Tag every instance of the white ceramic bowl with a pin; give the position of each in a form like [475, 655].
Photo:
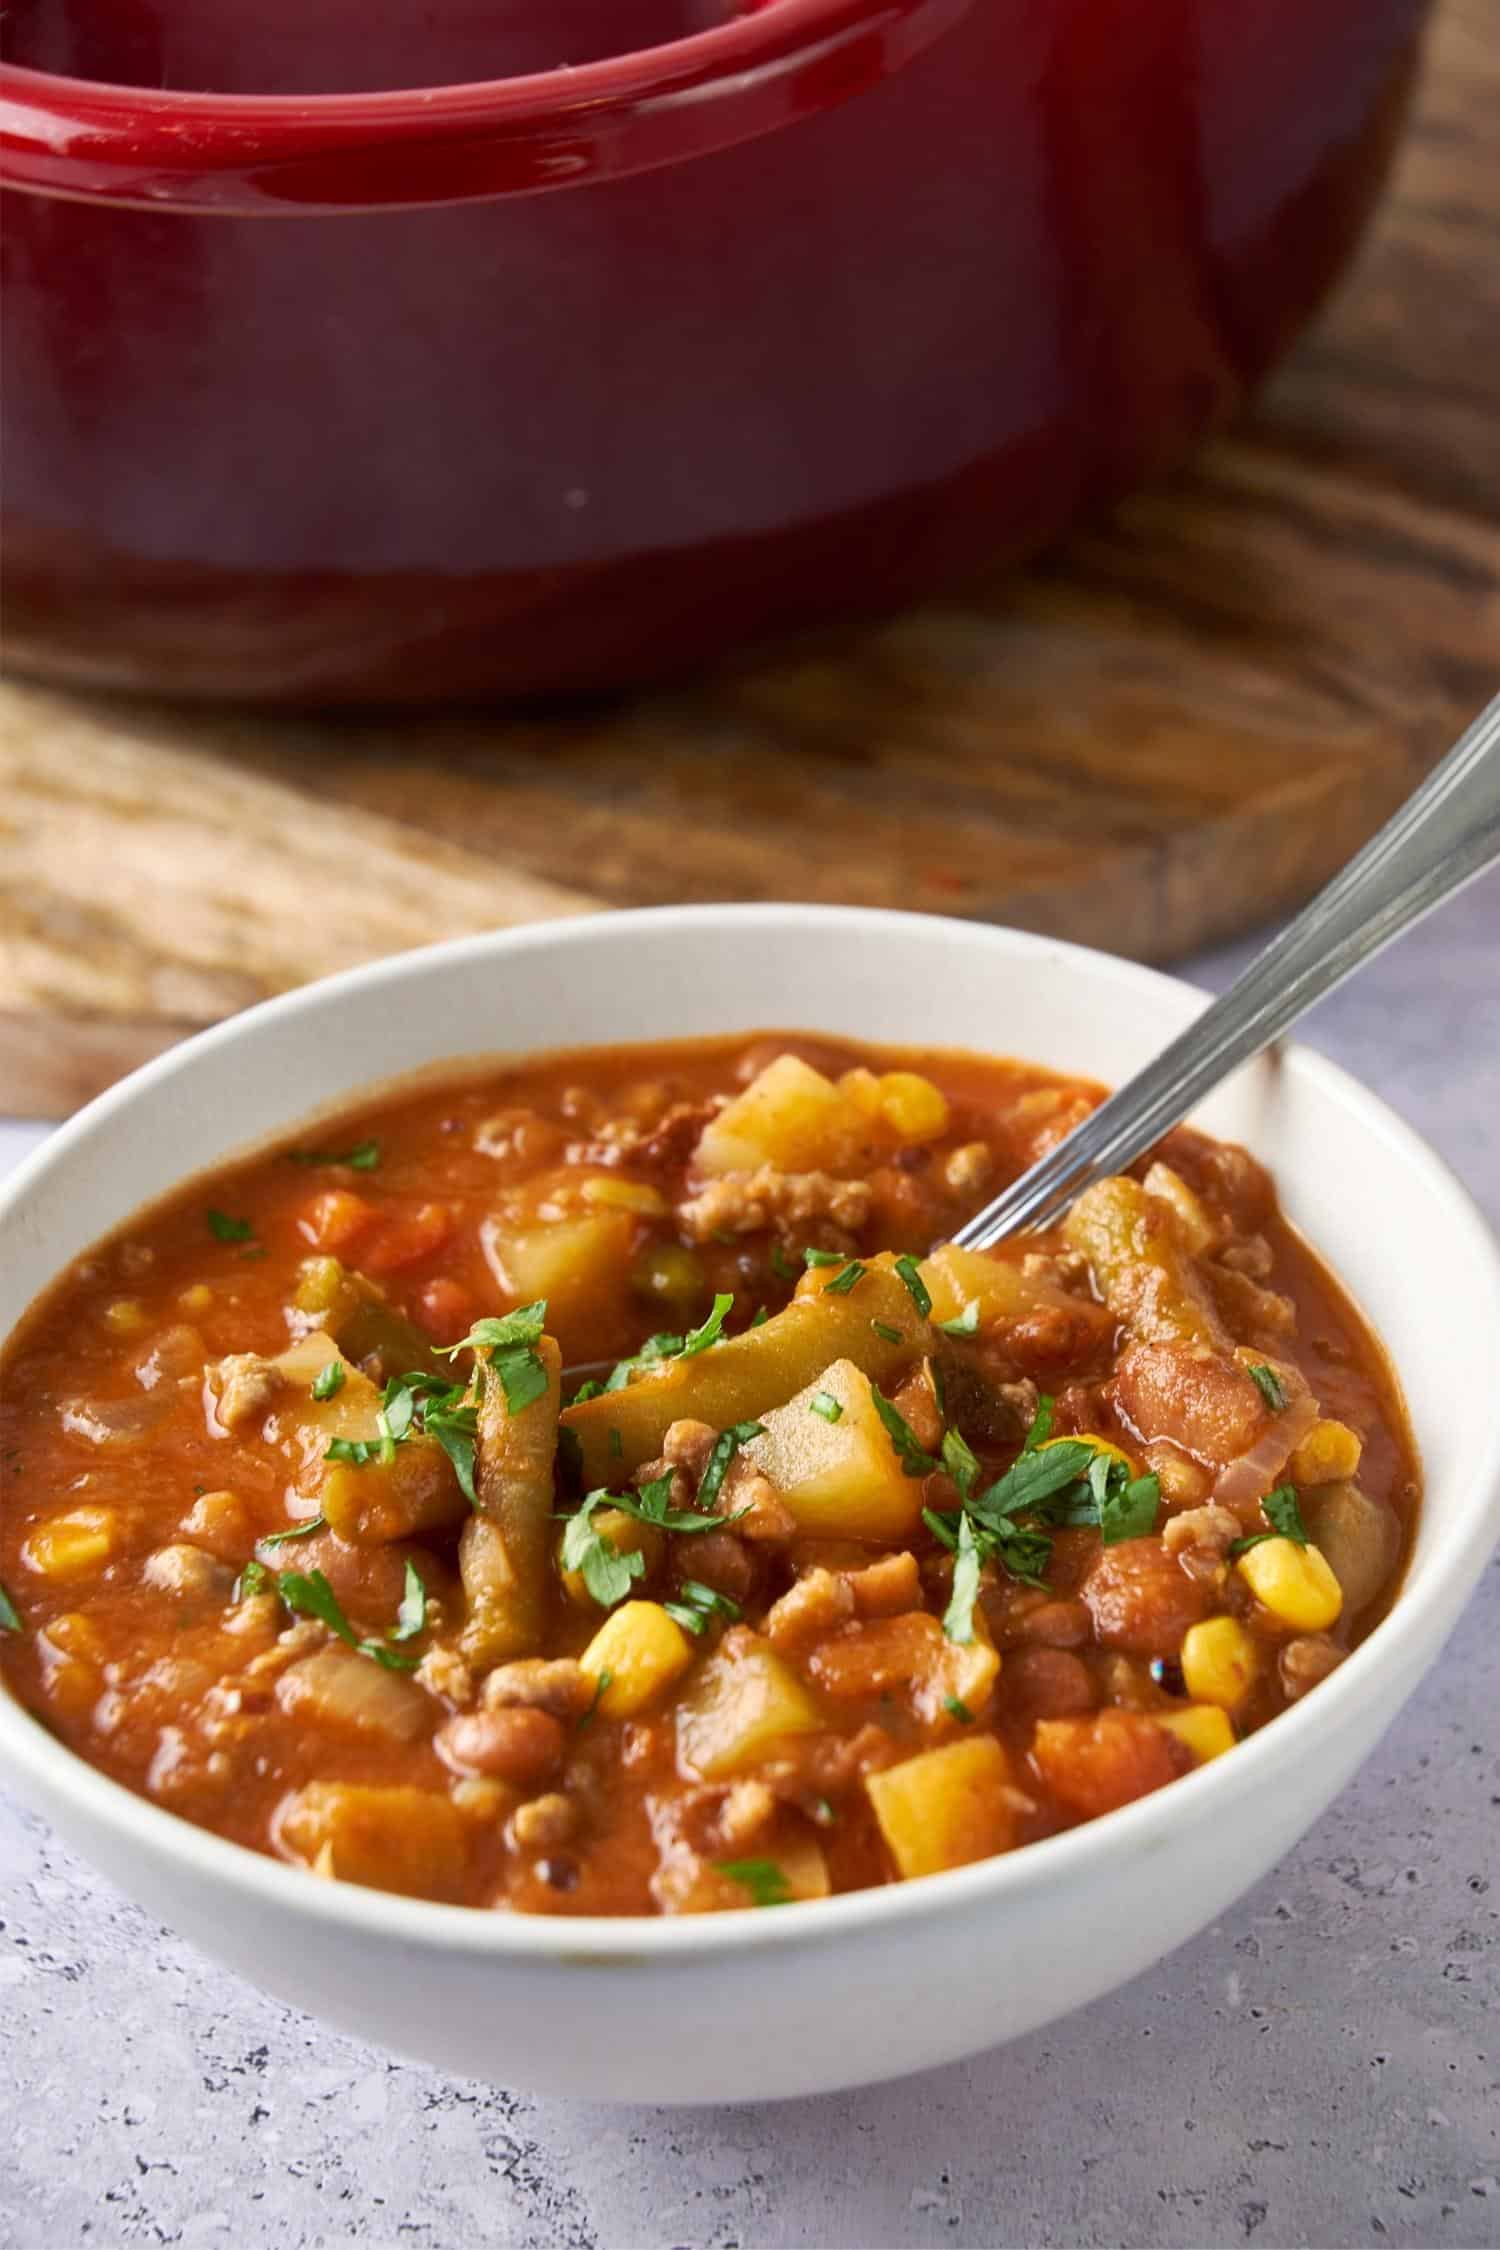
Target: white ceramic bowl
[752, 2005]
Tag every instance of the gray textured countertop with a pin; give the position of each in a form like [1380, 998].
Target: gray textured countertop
[1317, 2068]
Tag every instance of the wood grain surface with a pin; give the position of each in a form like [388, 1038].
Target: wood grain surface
[1172, 728]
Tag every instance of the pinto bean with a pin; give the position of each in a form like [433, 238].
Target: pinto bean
[1047, 1683]
[515, 1743]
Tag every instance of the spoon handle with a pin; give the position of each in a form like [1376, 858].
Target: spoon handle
[1447, 832]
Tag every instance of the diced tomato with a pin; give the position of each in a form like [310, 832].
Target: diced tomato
[407, 1238]
[446, 1309]
[336, 1218]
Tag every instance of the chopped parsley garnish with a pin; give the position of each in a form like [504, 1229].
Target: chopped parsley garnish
[822, 1257]
[418, 1404]
[1270, 1386]
[1041, 1424]
[412, 1614]
[884, 1328]
[762, 1878]
[960, 1462]
[842, 1283]
[10, 1619]
[958, 1618]
[600, 1685]
[699, 1604]
[225, 1229]
[585, 1391]
[965, 1323]
[699, 1339]
[310, 1595]
[921, 1296]
[510, 1339]
[761, 1317]
[1068, 1483]
[1284, 1514]
[608, 1572]
[253, 1579]
[824, 1403]
[726, 1446]
[915, 1460]
[956, 1708]
[303, 1530]
[355, 1452]
[329, 1379]
[363, 1157]
[781, 1264]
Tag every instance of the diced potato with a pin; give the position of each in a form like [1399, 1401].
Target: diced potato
[1205, 1728]
[643, 1650]
[1358, 1536]
[1329, 1454]
[369, 1502]
[840, 1479]
[628, 1536]
[71, 1545]
[505, 1551]
[1219, 1662]
[72, 1653]
[1197, 1227]
[1007, 1297]
[1294, 1583]
[738, 1709]
[578, 1265]
[1140, 1266]
[790, 1116]
[393, 1839]
[337, 1687]
[742, 1379]
[945, 1807]
[606, 1191]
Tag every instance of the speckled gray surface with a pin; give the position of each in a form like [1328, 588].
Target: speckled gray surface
[1322, 2067]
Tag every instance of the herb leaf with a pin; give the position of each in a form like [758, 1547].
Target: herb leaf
[822, 1257]
[1270, 1386]
[1127, 1507]
[363, 1157]
[842, 1283]
[303, 1530]
[915, 1460]
[956, 1708]
[726, 1445]
[921, 1296]
[699, 1604]
[781, 1264]
[511, 1339]
[960, 1462]
[965, 1323]
[762, 1878]
[310, 1595]
[412, 1615]
[1041, 1424]
[699, 1339]
[225, 1229]
[329, 1380]
[824, 1403]
[253, 1579]
[10, 1617]
[958, 1618]
[607, 1572]
[1280, 1508]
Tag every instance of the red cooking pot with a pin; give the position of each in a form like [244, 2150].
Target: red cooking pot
[621, 335]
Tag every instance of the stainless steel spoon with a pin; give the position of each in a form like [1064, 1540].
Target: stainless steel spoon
[1445, 834]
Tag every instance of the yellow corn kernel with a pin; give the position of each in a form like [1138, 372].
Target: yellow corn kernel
[627, 1537]
[1219, 1662]
[912, 1106]
[861, 1090]
[1329, 1454]
[71, 1545]
[127, 1316]
[611, 1194]
[643, 1652]
[1098, 1444]
[1294, 1583]
[1205, 1729]
[196, 1298]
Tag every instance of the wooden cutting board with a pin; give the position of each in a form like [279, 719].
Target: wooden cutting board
[1171, 729]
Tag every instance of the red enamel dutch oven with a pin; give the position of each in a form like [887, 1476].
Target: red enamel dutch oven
[619, 336]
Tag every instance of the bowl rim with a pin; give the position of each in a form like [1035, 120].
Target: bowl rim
[150, 1831]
